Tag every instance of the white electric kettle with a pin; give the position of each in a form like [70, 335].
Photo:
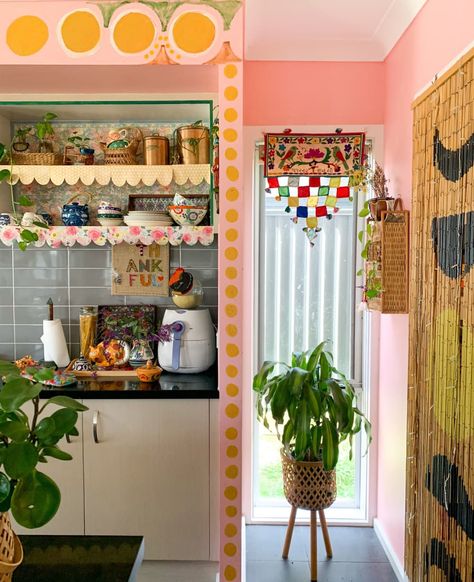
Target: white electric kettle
[192, 348]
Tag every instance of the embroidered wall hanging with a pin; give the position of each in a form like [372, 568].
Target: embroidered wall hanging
[309, 198]
[140, 270]
[313, 154]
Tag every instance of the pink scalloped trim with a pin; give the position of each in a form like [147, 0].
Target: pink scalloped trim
[57, 236]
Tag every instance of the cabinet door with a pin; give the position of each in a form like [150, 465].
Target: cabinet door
[148, 474]
[68, 475]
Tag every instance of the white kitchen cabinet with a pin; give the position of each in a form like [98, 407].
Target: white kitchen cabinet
[149, 474]
[69, 520]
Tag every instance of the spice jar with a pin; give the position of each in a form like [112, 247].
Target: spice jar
[87, 328]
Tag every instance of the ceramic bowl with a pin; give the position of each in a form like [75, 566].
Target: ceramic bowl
[148, 373]
[187, 215]
[110, 221]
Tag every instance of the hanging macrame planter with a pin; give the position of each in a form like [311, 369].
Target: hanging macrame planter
[312, 173]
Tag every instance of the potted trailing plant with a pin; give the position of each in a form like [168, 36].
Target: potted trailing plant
[80, 142]
[31, 495]
[78, 150]
[27, 236]
[192, 142]
[314, 410]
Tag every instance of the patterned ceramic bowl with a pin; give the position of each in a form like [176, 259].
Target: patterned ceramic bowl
[187, 215]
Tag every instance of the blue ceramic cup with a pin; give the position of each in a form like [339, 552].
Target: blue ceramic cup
[5, 219]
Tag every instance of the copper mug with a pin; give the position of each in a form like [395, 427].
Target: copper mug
[156, 150]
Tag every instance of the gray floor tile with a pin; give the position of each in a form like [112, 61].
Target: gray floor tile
[265, 542]
[277, 571]
[157, 571]
[354, 572]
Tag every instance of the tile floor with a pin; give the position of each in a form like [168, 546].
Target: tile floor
[358, 557]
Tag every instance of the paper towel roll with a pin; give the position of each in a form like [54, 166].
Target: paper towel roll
[55, 348]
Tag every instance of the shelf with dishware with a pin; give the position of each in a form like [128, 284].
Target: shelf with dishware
[56, 236]
[119, 175]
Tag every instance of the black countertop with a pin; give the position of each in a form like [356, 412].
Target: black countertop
[175, 386]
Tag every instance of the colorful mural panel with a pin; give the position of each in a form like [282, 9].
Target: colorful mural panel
[123, 32]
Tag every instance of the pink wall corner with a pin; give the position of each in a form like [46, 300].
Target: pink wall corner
[312, 93]
[440, 32]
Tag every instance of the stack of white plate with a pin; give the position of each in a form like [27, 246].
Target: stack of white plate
[147, 218]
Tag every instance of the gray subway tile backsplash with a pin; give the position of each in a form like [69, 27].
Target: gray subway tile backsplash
[73, 277]
[39, 277]
[90, 259]
[36, 315]
[5, 259]
[6, 334]
[90, 277]
[6, 314]
[46, 258]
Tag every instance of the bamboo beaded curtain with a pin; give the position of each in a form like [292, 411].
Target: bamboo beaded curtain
[440, 468]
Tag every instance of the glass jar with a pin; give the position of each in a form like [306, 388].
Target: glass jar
[191, 299]
[87, 328]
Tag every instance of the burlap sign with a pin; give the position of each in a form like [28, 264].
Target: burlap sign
[140, 269]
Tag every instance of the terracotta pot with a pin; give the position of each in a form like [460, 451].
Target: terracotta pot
[379, 205]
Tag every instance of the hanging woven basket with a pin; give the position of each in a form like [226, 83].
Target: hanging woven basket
[307, 485]
[11, 550]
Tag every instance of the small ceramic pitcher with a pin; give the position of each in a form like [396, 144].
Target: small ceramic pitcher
[75, 214]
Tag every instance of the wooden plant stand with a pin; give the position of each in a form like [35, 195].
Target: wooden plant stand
[313, 538]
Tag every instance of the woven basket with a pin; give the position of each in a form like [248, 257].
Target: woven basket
[389, 255]
[308, 485]
[124, 156]
[11, 551]
[37, 159]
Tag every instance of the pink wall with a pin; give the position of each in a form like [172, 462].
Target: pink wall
[438, 34]
[312, 93]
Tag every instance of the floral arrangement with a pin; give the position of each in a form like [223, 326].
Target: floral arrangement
[126, 322]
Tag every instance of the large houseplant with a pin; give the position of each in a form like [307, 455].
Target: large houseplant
[25, 441]
[314, 409]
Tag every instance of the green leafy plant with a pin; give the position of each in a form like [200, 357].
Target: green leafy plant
[314, 404]
[44, 128]
[31, 495]
[78, 141]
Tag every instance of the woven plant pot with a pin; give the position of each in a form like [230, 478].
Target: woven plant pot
[11, 550]
[307, 484]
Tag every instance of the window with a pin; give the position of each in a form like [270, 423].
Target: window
[306, 295]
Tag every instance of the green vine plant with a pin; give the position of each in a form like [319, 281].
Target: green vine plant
[27, 236]
[78, 141]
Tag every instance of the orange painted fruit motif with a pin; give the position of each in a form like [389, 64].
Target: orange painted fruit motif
[149, 373]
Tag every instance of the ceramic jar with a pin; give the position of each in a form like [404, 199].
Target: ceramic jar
[82, 365]
[75, 214]
[149, 373]
[140, 353]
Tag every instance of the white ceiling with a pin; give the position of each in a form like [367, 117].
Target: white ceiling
[326, 30]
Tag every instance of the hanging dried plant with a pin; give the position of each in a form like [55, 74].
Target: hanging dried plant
[379, 182]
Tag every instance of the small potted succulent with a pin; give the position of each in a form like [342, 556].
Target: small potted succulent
[31, 496]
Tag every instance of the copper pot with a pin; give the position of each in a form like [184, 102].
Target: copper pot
[192, 143]
[157, 150]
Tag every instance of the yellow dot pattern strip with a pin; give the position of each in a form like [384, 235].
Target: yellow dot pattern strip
[27, 35]
[80, 32]
[231, 297]
[134, 33]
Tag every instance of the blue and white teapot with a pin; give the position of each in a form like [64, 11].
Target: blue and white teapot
[75, 214]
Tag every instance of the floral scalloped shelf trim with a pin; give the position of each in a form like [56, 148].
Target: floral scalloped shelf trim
[57, 236]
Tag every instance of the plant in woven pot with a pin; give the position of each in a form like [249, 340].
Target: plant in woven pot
[314, 410]
[25, 441]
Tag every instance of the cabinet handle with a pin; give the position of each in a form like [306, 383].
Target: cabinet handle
[95, 421]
